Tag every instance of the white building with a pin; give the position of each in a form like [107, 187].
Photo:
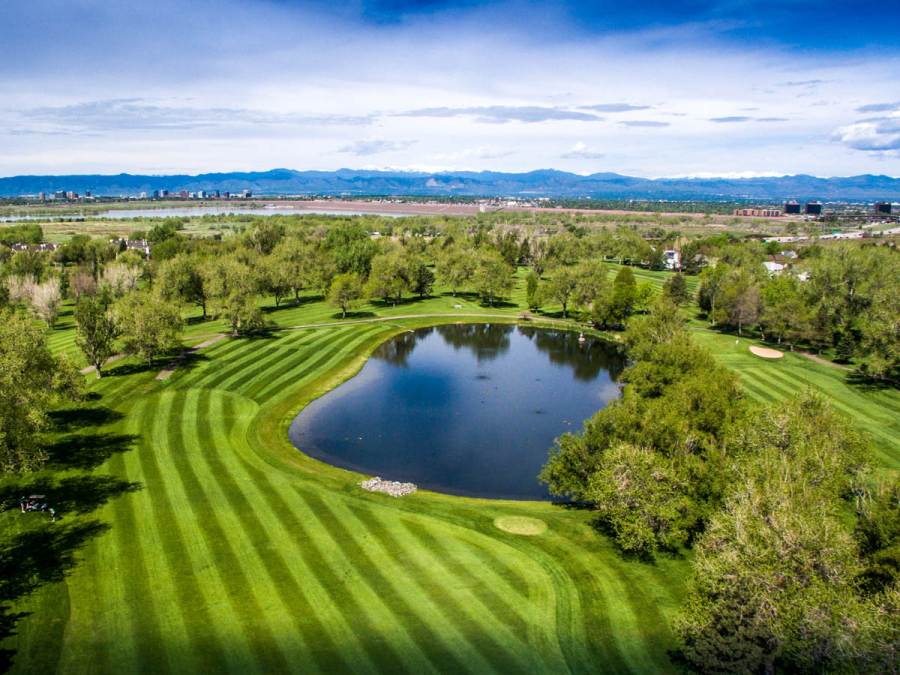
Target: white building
[672, 260]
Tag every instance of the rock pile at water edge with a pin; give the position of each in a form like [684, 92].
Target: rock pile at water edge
[389, 487]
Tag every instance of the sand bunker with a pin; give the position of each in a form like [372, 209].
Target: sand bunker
[520, 525]
[766, 353]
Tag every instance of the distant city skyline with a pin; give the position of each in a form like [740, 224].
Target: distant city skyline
[656, 89]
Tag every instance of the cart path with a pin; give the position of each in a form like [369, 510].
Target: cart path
[166, 372]
[111, 359]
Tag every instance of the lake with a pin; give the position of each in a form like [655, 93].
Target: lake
[463, 409]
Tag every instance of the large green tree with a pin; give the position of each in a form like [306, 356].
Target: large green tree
[149, 325]
[32, 382]
[95, 331]
[184, 278]
[346, 290]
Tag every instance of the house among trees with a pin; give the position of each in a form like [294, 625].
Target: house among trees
[140, 245]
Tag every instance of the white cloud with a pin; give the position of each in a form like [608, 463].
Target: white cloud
[581, 151]
[273, 85]
[880, 134]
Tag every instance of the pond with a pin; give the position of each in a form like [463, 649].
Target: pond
[467, 410]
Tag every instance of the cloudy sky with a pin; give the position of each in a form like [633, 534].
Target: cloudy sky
[648, 88]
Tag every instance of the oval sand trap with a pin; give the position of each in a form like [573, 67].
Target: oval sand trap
[521, 525]
[766, 353]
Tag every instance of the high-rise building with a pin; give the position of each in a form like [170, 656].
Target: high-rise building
[883, 208]
[813, 209]
[791, 208]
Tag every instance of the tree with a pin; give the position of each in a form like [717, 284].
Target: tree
[346, 291]
[32, 382]
[389, 277]
[232, 289]
[775, 575]
[879, 346]
[120, 278]
[148, 324]
[295, 258]
[615, 305]
[562, 286]
[275, 278]
[740, 300]
[532, 282]
[640, 497]
[422, 278]
[675, 288]
[351, 248]
[784, 313]
[493, 277]
[45, 300]
[95, 331]
[455, 267]
[184, 278]
[266, 236]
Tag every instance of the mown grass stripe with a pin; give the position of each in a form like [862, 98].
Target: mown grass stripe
[234, 482]
[255, 364]
[208, 654]
[148, 655]
[381, 586]
[481, 588]
[323, 361]
[311, 536]
[492, 652]
[237, 583]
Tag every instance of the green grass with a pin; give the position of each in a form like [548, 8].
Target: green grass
[240, 554]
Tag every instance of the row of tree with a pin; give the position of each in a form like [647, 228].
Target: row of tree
[846, 300]
[766, 497]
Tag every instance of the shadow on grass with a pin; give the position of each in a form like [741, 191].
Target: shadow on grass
[46, 551]
[71, 419]
[867, 383]
[353, 315]
[293, 304]
[88, 450]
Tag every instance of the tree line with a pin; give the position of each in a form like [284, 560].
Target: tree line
[795, 563]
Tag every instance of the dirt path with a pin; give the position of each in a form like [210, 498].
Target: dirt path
[111, 359]
[824, 362]
[166, 372]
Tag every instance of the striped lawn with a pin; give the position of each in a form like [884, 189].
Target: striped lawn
[240, 554]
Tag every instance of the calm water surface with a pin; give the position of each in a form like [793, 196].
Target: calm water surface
[462, 409]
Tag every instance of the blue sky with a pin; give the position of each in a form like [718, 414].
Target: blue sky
[706, 87]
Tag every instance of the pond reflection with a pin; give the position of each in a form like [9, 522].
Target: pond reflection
[465, 409]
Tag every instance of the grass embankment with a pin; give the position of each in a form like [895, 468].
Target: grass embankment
[240, 554]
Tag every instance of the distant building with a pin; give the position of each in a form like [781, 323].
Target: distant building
[140, 245]
[672, 259]
[758, 213]
[813, 209]
[773, 267]
[883, 208]
[71, 195]
[42, 196]
[59, 194]
[163, 193]
[792, 208]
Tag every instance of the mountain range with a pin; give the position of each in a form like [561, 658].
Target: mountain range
[533, 184]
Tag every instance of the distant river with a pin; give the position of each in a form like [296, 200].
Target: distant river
[462, 409]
